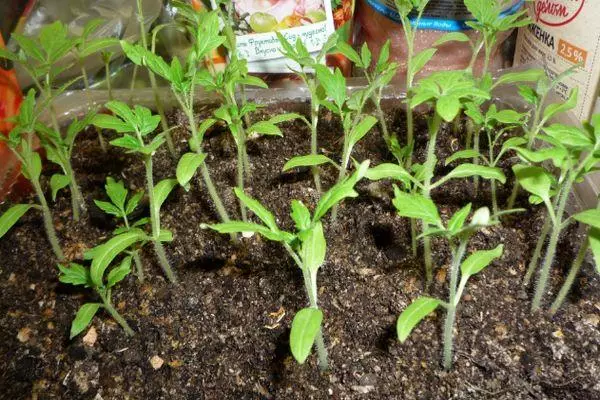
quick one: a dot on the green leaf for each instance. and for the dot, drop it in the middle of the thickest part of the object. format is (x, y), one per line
(365, 55)
(361, 129)
(97, 45)
(553, 109)
(161, 191)
(83, 318)
(119, 273)
(479, 260)
(388, 171)
(307, 161)
(594, 240)
(530, 75)
(334, 83)
(127, 142)
(414, 205)
(258, 209)
(285, 118)
(413, 314)
(419, 61)
(165, 235)
(106, 252)
(569, 136)
(457, 221)
(108, 208)
(448, 107)
(29, 47)
(253, 81)
(12, 215)
(347, 50)
(305, 327)
(75, 274)
(141, 56)
(467, 170)
(314, 248)
(535, 180)
(265, 128)
(459, 155)
(106, 121)
(187, 166)
(384, 55)
(451, 37)
(589, 217)
(57, 182)
(333, 196)
(300, 215)
(133, 202)
(117, 192)
(529, 94)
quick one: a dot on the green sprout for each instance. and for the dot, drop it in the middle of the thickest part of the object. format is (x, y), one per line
(591, 220)
(495, 123)
(140, 122)
(573, 153)
(20, 141)
(306, 63)
(414, 62)
(458, 235)
(183, 80)
(307, 247)
(86, 47)
(122, 205)
(106, 57)
(93, 277)
(157, 101)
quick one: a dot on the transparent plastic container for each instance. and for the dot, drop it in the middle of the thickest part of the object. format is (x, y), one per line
(77, 103)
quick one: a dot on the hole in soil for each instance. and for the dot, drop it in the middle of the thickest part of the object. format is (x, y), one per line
(282, 351)
(386, 338)
(383, 235)
(205, 263)
(292, 177)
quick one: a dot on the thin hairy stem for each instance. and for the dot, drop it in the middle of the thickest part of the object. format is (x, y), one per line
(115, 314)
(314, 121)
(573, 272)
(139, 267)
(537, 252)
(48, 223)
(155, 222)
(452, 304)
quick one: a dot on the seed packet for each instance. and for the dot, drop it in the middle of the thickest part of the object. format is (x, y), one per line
(313, 21)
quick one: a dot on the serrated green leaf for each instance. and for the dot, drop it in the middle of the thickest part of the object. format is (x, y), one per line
(305, 327)
(413, 314)
(285, 118)
(133, 202)
(448, 107)
(306, 161)
(108, 208)
(75, 274)
(127, 142)
(187, 166)
(96, 45)
(479, 260)
(105, 121)
(258, 209)
(83, 318)
(388, 171)
(347, 50)
(334, 84)
(333, 196)
(29, 47)
(116, 191)
(119, 273)
(12, 215)
(569, 136)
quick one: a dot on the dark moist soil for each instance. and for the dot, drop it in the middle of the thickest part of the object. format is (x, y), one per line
(222, 333)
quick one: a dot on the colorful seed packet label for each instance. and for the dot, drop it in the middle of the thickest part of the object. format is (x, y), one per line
(257, 21)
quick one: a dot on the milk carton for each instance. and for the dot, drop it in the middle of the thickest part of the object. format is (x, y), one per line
(565, 33)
